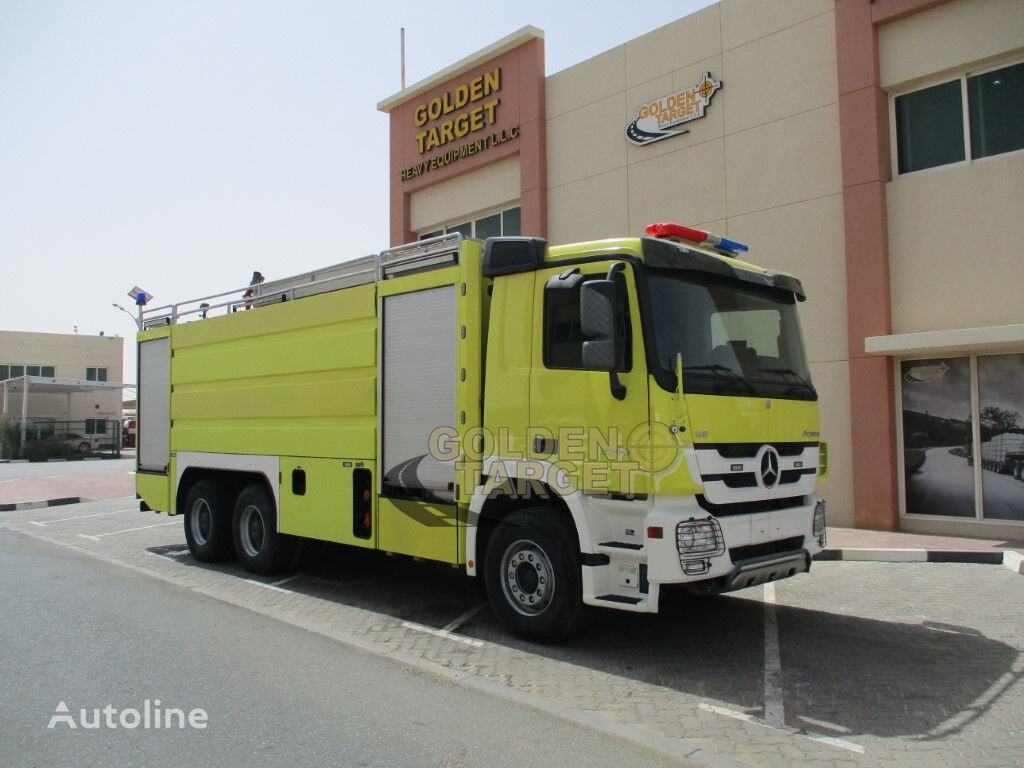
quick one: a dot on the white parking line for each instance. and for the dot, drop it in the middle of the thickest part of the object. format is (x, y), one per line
(832, 741)
(442, 633)
(99, 536)
(774, 710)
(841, 743)
(285, 580)
(458, 622)
(44, 523)
(269, 586)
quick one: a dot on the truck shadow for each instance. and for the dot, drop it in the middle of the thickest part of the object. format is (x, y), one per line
(869, 676)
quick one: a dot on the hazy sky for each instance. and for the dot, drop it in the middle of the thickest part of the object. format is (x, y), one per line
(181, 145)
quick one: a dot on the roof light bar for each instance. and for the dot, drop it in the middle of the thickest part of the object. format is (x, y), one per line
(670, 231)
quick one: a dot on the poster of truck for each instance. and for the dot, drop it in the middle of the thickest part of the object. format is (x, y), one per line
(1001, 422)
(937, 437)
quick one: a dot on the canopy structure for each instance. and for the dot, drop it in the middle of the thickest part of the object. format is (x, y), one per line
(27, 385)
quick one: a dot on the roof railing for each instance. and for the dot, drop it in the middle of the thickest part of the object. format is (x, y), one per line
(433, 253)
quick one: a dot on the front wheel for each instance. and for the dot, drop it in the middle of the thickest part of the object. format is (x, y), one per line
(532, 575)
(259, 546)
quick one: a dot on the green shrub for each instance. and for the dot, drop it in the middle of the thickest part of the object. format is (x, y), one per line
(10, 438)
(48, 448)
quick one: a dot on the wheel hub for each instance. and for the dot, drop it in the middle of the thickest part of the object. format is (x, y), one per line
(527, 578)
(201, 521)
(253, 531)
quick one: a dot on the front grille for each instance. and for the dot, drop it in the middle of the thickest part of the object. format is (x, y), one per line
(793, 475)
(749, 450)
(749, 507)
(792, 544)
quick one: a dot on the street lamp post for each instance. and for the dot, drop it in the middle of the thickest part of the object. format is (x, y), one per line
(136, 320)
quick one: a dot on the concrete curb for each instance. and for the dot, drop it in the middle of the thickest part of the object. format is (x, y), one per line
(1014, 561)
(39, 504)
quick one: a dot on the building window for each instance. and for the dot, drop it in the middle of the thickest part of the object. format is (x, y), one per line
(13, 371)
(963, 437)
(996, 102)
(95, 374)
(932, 128)
(503, 224)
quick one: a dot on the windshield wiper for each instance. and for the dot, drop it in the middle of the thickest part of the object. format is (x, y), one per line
(718, 368)
(790, 372)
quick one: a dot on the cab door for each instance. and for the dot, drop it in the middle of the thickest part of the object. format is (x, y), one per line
(587, 422)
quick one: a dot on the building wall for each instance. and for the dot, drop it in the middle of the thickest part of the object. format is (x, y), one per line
(70, 355)
(944, 275)
(762, 166)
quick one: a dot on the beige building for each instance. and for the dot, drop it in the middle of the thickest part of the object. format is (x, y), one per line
(70, 378)
(873, 148)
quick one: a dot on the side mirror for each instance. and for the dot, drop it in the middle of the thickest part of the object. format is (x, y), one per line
(600, 321)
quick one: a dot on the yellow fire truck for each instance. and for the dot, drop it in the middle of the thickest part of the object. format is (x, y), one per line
(580, 425)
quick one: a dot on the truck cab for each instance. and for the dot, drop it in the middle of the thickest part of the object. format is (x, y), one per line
(659, 406)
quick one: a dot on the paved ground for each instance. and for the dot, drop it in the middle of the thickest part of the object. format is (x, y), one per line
(104, 640)
(22, 482)
(840, 538)
(914, 664)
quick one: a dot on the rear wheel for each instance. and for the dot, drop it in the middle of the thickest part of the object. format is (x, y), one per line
(259, 546)
(84, 448)
(208, 522)
(532, 575)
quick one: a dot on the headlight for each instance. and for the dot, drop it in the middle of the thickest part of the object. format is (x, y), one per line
(699, 538)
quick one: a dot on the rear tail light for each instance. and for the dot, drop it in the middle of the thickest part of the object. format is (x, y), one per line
(362, 504)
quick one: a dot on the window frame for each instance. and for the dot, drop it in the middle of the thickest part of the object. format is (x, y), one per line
(961, 76)
(445, 228)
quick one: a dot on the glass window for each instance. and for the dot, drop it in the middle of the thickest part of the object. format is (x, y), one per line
(930, 127)
(5, 372)
(510, 222)
(435, 233)
(996, 105)
(101, 426)
(90, 426)
(31, 370)
(733, 337)
(95, 374)
(17, 370)
(465, 229)
(101, 374)
(1001, 420)
(90, 374)
(488, 226)
(937, 437)
(47, 370)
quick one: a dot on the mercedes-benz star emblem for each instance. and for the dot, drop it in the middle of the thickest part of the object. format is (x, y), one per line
(769, 467)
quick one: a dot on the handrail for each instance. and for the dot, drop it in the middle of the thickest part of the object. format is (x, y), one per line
(366, 269)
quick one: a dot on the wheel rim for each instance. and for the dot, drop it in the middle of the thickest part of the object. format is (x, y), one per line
(527, 578)
(201, 521)
(254, 533)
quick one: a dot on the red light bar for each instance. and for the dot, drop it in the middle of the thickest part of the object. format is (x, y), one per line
(668, 229)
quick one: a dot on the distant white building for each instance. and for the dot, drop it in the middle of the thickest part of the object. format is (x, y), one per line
(69, 377)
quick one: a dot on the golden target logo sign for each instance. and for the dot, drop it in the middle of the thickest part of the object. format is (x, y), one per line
(659, 119)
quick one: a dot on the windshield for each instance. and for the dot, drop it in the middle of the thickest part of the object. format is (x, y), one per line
(735, 338)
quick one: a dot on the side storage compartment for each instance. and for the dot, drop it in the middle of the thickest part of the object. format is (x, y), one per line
(329, 499)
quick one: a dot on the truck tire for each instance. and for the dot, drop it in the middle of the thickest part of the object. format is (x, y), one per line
(532, 575)
(259, 546)
(208, 522)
